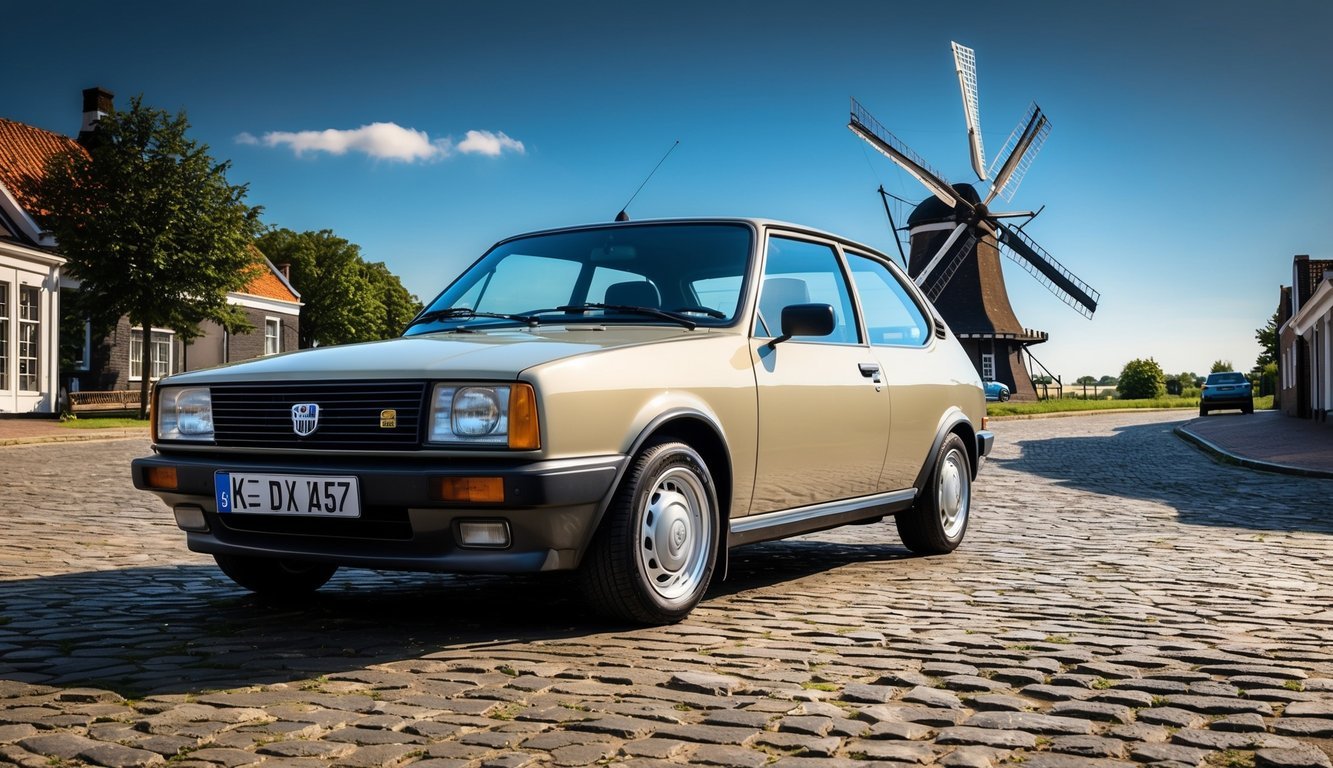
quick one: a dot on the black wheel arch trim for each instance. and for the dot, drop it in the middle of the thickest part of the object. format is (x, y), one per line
(953, 419)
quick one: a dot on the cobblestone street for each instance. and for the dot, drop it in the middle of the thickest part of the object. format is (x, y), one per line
(1120, 599)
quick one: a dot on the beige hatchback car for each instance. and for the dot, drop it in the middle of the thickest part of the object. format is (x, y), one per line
(628, 400)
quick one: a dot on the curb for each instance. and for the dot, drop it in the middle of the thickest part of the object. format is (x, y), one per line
(1088, 412)
(8, 442)
(1226, 457)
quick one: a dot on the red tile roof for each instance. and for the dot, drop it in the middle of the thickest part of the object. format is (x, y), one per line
(24, 151)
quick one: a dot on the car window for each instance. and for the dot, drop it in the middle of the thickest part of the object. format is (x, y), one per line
(522, 283)
(892, 318)
(1226, 378)
(802, 272)
(696, 269)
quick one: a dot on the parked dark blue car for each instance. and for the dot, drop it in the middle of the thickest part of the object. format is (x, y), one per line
(1226, 390)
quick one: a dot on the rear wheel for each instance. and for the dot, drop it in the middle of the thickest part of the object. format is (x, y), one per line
(1247, 408)
(1203, 411)
(1004, 395)
(653, 555)
(936, 523)
(271, 577)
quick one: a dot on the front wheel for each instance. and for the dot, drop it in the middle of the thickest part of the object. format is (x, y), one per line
(274, 578)
(1004, 395)
(653, 555)
(936, 523)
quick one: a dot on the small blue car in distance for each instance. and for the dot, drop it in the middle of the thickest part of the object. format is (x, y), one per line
(997, 390)
(1226, 390)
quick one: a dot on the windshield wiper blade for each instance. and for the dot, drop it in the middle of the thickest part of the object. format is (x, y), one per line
(632, 310)
(466, 313)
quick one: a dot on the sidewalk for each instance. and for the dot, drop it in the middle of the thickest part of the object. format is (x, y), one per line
(23, 431)
(1267, 440)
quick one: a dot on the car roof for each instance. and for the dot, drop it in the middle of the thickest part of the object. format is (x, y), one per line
(757, 223)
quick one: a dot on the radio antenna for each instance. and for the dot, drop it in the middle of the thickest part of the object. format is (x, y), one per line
(623, 216)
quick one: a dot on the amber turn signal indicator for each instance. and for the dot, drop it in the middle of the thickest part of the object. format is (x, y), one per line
(163, 478)
(524, 432)
(472, 489)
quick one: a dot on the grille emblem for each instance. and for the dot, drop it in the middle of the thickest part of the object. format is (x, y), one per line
(388, 418)
(305, 419)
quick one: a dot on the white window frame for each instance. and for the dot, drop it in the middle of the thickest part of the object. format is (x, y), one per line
(6, 354)
(25, 325)
(275, 324)
(162, 339)
(988, 366)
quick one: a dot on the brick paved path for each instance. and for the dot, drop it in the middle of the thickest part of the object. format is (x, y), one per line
(1120, 599)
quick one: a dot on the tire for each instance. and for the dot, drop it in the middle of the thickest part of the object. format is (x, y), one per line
(1203, 411)
(1248, 408)
(273, 578)
(654, 553)
(1004, 395)
(935, 525)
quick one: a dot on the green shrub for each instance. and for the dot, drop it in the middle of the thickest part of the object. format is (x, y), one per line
(1141, 379)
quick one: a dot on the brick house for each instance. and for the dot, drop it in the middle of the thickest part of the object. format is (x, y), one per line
(32, 280)
(1305, 340)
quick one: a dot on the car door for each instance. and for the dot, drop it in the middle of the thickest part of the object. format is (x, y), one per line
(899, 332)
(823, 411)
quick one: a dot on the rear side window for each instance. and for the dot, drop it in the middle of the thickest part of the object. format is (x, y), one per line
(892, 318)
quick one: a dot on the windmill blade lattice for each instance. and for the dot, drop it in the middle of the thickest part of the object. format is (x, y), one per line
(864, 124)
(1049, 272)
(937, 280)
(1019, 151)
(965, 63)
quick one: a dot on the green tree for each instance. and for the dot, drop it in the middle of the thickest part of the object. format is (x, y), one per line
(150, 226)
(1189, 379)
(1221, 366)
(1141, 379)
(344, 299)
(327, 271)
(397, 305)
(1107, 381)
(1267, 338)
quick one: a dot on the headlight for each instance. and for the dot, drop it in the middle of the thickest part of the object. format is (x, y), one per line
(184, 413)
(491, 414)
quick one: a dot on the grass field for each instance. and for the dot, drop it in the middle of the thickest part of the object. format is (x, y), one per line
(1069, 404)
(104, 422)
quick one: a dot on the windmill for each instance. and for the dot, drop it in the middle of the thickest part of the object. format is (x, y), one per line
(956, 238)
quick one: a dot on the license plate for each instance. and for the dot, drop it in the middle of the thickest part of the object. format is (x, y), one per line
(304, 495)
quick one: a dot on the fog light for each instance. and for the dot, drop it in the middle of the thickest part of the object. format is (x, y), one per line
(190, 518)
(474, 489)
(162, 478)
(493, 533)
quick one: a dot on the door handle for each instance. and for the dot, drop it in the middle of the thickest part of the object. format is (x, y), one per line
(869, 369)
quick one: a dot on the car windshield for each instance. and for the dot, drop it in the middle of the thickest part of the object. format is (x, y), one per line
(673, 273)
(1226, 378)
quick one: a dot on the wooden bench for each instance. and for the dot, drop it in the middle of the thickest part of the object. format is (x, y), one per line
(110, 400)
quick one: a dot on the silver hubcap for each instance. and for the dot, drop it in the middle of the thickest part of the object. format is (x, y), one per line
(954, 489)
(674, 533)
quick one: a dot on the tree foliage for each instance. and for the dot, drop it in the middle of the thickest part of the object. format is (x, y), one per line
(150, 226)
(1086, 381)
(344, 298)
(1141, 379)
(1107, 381)
(1267, 338)
(1221, 366)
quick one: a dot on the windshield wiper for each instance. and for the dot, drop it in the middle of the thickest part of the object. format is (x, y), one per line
(625, 309)
(467, 313)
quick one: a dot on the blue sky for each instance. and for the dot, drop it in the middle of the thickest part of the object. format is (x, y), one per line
(1188, 161)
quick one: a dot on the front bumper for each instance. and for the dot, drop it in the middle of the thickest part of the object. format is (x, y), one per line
(985, 442)
(551, 509)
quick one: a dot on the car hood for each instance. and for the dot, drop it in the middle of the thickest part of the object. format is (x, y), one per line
(495, 354)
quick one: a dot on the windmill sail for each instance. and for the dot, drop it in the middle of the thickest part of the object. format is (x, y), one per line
(952, 254)
(879, 137)
(1049, 272)
(1019, 152)
(965, 64)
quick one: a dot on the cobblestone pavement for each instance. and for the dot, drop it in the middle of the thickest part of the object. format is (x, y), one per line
(1120, 599)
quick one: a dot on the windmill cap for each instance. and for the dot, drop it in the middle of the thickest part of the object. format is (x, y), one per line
(933, 210)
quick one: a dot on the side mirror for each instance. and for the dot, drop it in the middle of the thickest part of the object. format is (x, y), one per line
(805, 320)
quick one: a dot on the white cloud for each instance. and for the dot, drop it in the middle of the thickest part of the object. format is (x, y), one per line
(489, 144)
(386, 141)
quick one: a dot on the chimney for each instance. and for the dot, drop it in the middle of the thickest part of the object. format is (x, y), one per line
(286, 270)
(96, 103)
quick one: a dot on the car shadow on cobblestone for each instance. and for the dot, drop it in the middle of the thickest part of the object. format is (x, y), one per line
(1151, 463)
(187, 629)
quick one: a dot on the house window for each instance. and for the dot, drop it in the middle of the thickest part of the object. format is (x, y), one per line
(30, 322)
(160, 354)
(272, 335)
(4, 335)
(987, 366)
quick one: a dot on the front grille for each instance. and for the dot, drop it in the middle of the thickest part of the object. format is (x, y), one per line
(260, 415)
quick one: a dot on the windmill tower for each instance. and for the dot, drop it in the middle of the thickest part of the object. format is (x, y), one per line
(956, 239)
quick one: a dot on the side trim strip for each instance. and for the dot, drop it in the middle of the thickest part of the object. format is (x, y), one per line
(788, 522)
